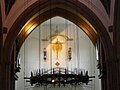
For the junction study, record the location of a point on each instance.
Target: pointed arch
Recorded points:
(59, 8)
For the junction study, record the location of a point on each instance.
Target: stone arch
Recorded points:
(90, 31)
(57, 7)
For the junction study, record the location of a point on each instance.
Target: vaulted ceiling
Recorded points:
(9, 4)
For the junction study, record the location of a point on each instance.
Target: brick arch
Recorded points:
(59, 6)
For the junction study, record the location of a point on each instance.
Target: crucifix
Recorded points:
(57, 47)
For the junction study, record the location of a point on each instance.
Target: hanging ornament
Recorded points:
(45, 54)
(57, 64)
(69, 54)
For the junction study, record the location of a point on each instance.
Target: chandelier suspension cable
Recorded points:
(44, 34)
(39, 45)
(70, 47)
(46, 43)
(50, 35)
(75, 46)
(77, 41)
(91, 62)
(24, 52)
(78, 48)
(24, 61)
(39, 41)
(66, 34)
(45, 47)
(94, 69)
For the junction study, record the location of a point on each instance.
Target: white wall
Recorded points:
(83, 54)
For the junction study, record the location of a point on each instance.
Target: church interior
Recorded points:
(59, 44)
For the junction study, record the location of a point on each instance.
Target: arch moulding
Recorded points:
(43, 10)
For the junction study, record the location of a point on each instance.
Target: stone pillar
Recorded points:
(4, 64)
(7, 71)
(12, 78)
(116, 43)
(1, 51)
(1, 37)
(4, 75)
(104, 83)
(113, 75)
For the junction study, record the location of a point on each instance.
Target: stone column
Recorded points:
(7, 81)
(116, 42)
(13, 58)
(1, 51)
(4, 75)
(112, 75)
(1, 36)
